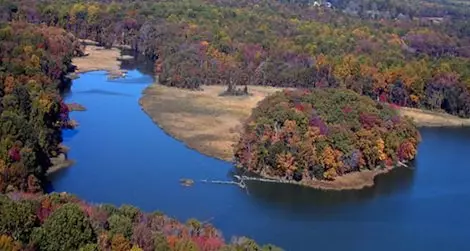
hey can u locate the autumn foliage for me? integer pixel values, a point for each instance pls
(71, 224)
(34, 60)
(389, 51)
(324, 133)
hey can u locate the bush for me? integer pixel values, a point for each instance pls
(322, 134)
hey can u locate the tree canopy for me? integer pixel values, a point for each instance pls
(307, 135)
(33, 63)
(63, 222)
(403, 52)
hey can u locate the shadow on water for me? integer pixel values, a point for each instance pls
(398, 181)
(102, 92)
(137, 62)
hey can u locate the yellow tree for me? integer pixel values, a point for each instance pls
(330, 159)
(8, 244)
(285, 163)
(346, 69)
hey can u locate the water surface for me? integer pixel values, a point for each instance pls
(122, 157)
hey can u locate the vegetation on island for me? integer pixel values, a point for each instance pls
(410, 54)
(57, 222)
(308, 135)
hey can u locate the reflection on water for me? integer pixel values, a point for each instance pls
(140, 80)
(302, 199)
(138, 62)
(102, 92)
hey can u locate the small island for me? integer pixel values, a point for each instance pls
(325, 138)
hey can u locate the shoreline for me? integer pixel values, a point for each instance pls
(208, 123)
(185, 116)
(96, 59)
(350, 181)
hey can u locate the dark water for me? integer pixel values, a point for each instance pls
(122, 157)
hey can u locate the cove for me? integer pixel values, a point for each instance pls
(122, 157)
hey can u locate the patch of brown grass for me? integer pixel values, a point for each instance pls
(433, 119)
(97, 59)
(203, 120)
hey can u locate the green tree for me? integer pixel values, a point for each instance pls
(17, 218)
(161, 243)
(129, 211)
(67, 228)
(119, 224)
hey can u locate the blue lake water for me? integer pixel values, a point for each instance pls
(122, 157)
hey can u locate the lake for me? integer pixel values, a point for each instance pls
(122, 157)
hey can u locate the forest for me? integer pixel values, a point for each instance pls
(63, 222)
(34, 60)
(324, 133)
(415, 56)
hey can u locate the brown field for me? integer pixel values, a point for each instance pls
(203, 120)
(424, 118)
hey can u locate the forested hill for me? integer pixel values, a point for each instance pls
(416, 60)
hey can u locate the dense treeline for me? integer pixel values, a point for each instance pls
(405, 61)
(62, 222)
(322, 134)
(33, 63)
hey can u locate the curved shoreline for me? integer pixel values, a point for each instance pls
(194, 118)
(186, 116)
(349, 181)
